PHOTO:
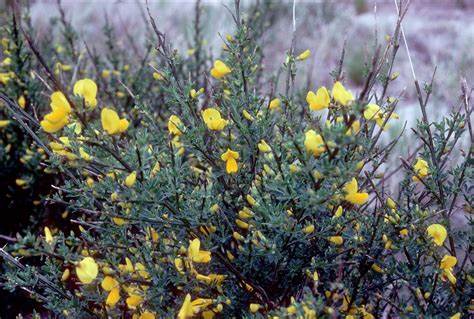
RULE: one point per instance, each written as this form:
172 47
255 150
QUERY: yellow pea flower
108 283
230 158
7 61
105 73
308 229
274 104
254 307
48 237
131 179
65 275
22 101
341 95
318 101
111 122
214 121
391 203
158 76
186 310
438 233
314 143
337 240
147 315
248 116
241 224
304 55
84 155
87 270
4 123
338 212
175 126
113 297
194 94
264 147
196 254
352 195
133 301
5 77
372 112
252 202
448 262
87 89
421 169
58 118
220 69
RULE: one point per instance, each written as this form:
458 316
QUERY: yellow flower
352 195
4 123
111 122
108 283
252 202
194 94
212 118
318 101
308 229
230 158
337 240
87 270
5 77
131 179
58 118
84 155
175 125
87 89
113 297
105 73
220 69
247 115
421 169
22 101
133 301
242 224
48 237
65 275
158 76
373 112
7 61
304 55
341 95
186 310
391 203
264 147
197 255
254 307
448 262
274 104
338 212
147 315
438 233
314 143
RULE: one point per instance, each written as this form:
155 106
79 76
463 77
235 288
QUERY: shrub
193 191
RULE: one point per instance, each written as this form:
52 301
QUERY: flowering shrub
193 191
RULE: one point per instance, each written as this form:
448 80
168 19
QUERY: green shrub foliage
193 186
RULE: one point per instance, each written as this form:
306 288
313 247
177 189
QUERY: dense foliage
193 186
